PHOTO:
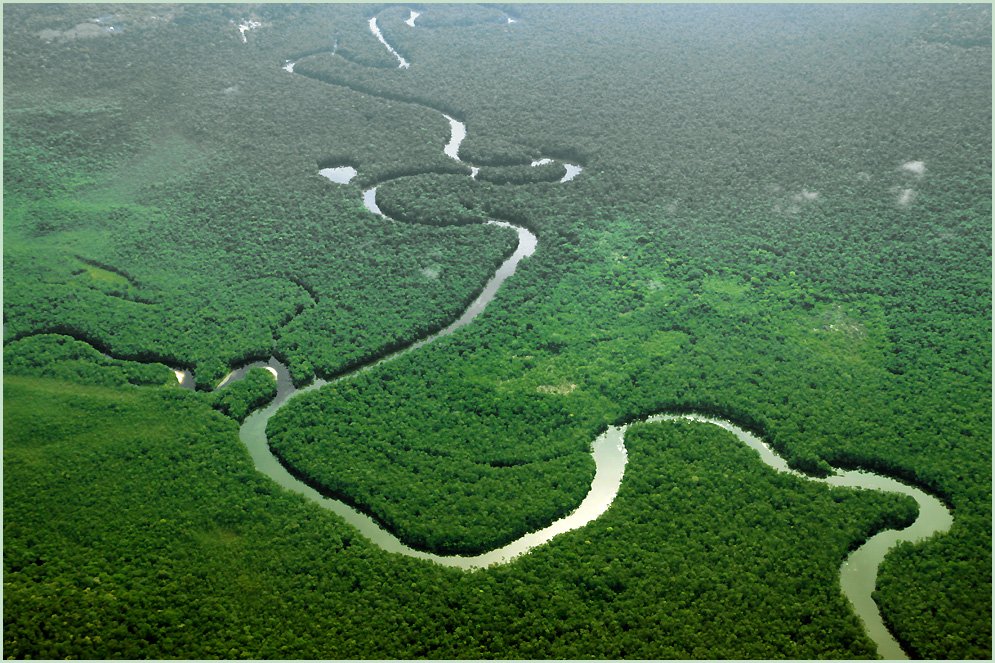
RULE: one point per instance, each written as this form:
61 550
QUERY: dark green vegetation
64 358
463 469
743 240
161 541
224 242
237 400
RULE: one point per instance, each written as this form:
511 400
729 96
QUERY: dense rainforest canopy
783 218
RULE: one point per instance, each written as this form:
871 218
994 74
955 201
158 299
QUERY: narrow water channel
375 29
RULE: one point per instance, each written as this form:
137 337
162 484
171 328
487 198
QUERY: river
858 572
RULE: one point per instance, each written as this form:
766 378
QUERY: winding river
857 574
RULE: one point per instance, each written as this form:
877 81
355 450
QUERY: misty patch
431 272
805 196
89 30
905 197
836 320
793 203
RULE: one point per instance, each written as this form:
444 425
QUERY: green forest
783 219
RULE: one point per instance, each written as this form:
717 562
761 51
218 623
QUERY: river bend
857 574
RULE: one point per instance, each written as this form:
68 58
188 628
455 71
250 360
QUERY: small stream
375 29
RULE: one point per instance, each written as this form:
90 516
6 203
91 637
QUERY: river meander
857 573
